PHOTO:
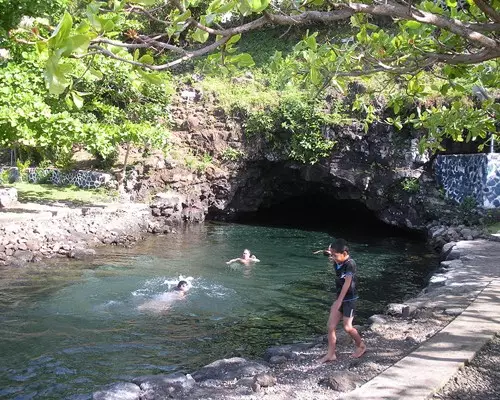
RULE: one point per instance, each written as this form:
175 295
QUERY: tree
421 34
400 38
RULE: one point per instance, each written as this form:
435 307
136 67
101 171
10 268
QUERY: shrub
232 154
410 185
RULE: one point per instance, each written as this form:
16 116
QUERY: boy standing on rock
345 304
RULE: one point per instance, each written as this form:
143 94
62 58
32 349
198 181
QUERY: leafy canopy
456 42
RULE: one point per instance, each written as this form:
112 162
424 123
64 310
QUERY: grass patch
46 194
494 228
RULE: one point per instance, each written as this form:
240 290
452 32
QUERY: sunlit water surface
69 327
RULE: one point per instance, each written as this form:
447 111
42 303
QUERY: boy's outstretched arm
232 261
326 252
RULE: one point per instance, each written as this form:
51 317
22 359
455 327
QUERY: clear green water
70 327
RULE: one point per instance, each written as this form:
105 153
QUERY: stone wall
82 179
475 176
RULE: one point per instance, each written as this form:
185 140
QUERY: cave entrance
323 212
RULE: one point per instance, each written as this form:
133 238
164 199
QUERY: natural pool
70 327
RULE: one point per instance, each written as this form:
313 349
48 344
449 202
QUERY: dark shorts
348 308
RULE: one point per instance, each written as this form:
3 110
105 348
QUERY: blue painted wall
470 175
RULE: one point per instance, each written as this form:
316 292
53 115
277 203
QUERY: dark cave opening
324 213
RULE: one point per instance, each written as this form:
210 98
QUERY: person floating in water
246 258
344 306
164 301
182 287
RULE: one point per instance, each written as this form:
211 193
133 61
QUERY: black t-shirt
343 270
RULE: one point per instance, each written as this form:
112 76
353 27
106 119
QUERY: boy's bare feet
327 358
359 351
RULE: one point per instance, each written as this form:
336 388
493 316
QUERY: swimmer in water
182 288
246 258
164 301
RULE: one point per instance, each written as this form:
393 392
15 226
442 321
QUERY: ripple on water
109 348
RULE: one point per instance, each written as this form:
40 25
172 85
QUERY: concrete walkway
423 372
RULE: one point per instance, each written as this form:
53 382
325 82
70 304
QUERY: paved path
423 372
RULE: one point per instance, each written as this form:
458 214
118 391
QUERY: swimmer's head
183 286
246 253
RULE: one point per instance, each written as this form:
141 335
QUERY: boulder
81 253
342 381
159 387
228 369
8 197
118 391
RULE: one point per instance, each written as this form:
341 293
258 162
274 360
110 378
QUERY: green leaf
77 99
315 76
75 44
258 5
311 42
413 24
241 60
69 102
62 31
41 47
108 26
200 36
153 78
245 60
83 27
143 2
396 107
244 7
93 18
451 3
234 39
146 59
54 76
226 7
444 89
183 17
118 5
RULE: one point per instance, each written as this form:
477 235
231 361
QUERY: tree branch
393 10
249 26
488 10
162 67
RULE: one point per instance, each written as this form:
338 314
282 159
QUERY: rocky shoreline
32 232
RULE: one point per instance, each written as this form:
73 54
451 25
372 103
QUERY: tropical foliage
428 65
105 105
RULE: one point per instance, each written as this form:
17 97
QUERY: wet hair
181 284
339 246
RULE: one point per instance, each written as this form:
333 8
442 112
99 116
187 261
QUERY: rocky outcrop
380 169
232 376
47 232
